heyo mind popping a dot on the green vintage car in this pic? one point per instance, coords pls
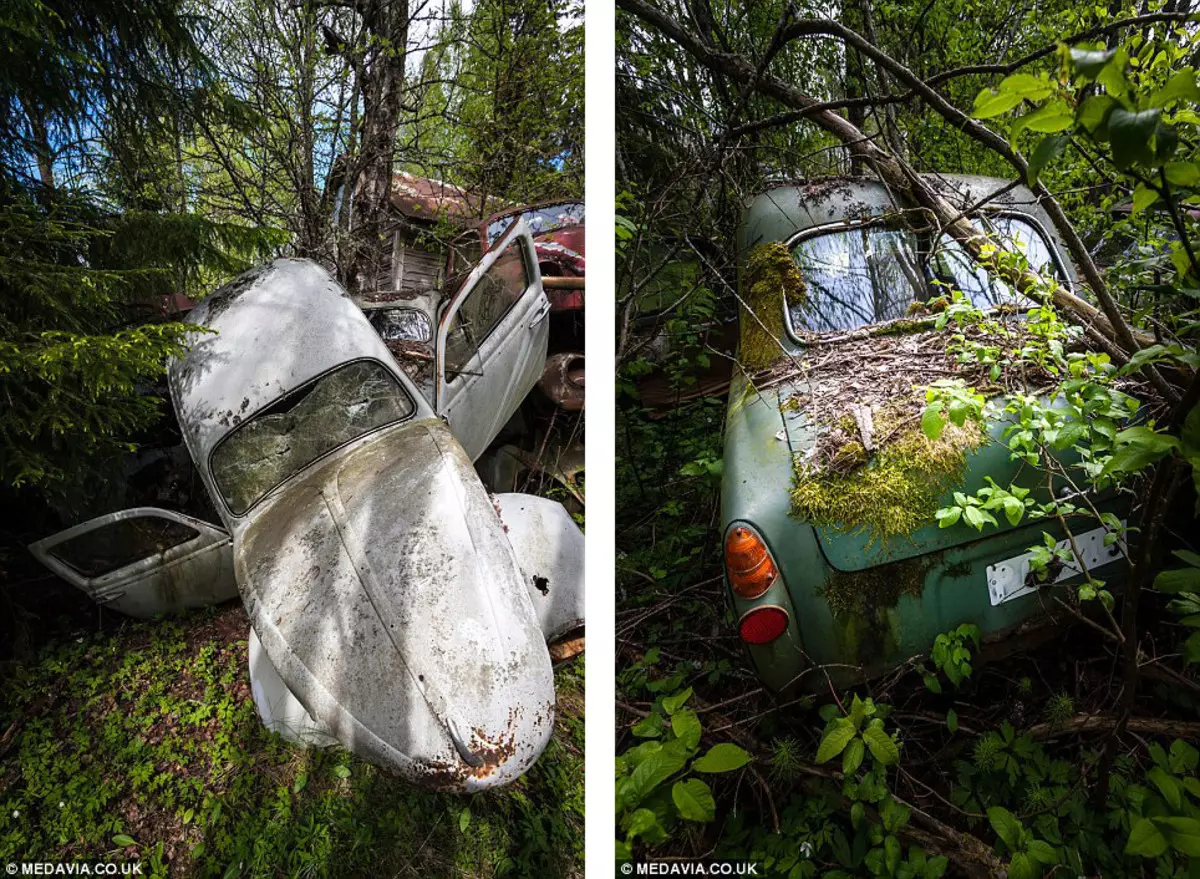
(834, 562)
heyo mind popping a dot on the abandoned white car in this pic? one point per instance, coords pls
(393, 609)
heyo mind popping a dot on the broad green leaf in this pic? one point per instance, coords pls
(122, 840)
(1145, 840)
(724, 757)
(977, 518)
(951, 720)
(1130, 133)
(1179, 580)
(1143, 197)
(673, 703)
(686, 727)
(882, 747)
(1089, 62)
(1189, 437)
(1092, 115)
(653, 771)
(1048, 149)
(1191, 648)
(648, 727)
(694, 800)
(1006, 825)
(932, 422)
(948, 516)
(835, 741)
(1022, 866)
(852, 757)
(990, 103)
(1180, 87)
(1071, 433)
(891, 853)
(1132, 458)
(1043, 852)
(1026, 85)
(464, 820)
(1167, 786)
(1182, 173)
(1052, 117)
(644, 823)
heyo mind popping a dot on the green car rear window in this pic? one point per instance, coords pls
(873, 273)
(283, 439)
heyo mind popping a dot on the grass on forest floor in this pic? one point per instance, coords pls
(144, 744)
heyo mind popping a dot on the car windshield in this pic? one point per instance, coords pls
(539, 220)
(283, 439)
(873, 273)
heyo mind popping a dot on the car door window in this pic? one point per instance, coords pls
(102, 550)
(485, 306)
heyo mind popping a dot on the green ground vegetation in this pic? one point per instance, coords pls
(143, 744)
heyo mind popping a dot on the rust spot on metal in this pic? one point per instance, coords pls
(563, 380)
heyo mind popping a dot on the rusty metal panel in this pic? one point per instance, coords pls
(390, 600)
(550, 549)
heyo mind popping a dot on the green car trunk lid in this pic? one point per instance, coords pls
(850, 547)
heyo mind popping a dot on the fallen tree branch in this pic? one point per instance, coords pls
(1107, 324)
(1089, 723)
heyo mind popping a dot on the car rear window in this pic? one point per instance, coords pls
(281, 440)
(874, 273)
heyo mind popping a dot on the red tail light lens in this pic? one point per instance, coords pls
(748, 563)
(763, 624)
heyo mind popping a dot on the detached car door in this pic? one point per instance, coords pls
(491, 342)
(144, 561)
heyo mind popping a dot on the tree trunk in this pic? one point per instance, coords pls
(41, 145)
(386, 24)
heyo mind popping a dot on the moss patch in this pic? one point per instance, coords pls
(898, 489)
(861, 603)
(771, 281)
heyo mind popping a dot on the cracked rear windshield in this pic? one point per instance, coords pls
(874, 273)
(283, 439)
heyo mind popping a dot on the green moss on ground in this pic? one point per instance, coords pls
(899, 488)
(771, 281)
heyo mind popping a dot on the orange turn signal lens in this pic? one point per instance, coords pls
(748, 563)
(763, 624)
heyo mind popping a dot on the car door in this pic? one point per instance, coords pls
(491, 343)
(143, 561)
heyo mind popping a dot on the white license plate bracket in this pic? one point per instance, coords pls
(1010, 579)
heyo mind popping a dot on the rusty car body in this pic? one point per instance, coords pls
(393, 609)
(818, 597)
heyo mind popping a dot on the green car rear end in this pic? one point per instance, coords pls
(819, 599)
